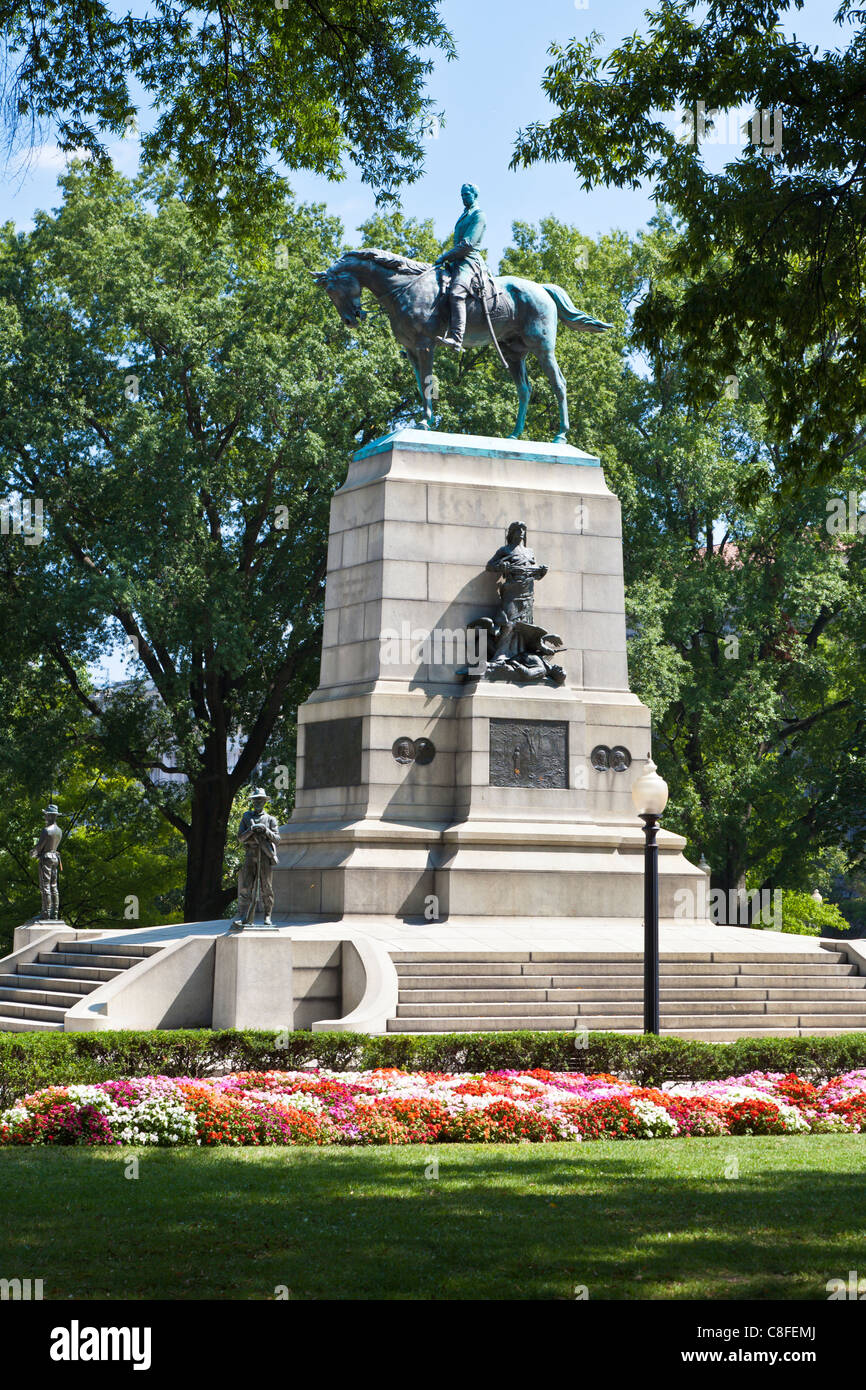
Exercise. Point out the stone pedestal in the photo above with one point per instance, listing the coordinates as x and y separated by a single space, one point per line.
253 980
503 811
41 927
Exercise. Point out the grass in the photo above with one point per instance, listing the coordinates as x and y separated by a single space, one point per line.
628 1220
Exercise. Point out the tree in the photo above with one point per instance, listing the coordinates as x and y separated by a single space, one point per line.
123 865
748 620
771 261
184 411
314 82
600 276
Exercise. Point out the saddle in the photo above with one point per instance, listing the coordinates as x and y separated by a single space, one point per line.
482 284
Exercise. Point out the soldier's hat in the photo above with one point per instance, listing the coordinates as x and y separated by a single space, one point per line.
258 794
51 809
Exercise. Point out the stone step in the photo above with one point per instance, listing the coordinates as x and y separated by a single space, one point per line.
762 1025
89 960
40 991
480 1025
616 967
815 1017
511 994
604 958
854 989
71 972
733 1034
115 948
33 1011
474 1009
28 1025
816 980
468 997
696 1034
692 969
22 980
721 1008
488 957
475 966
55 997
813 953
702 993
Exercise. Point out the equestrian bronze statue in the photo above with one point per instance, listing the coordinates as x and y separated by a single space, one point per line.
457 302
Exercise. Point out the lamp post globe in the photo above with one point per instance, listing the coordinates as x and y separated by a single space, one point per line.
650 792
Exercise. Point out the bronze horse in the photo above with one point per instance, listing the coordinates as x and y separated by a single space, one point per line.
518 315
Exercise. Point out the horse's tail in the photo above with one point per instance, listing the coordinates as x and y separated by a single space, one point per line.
573 316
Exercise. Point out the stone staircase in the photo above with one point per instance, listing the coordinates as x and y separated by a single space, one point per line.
36 996
714 995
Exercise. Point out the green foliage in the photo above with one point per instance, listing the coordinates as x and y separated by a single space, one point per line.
854 911
185 410
803 915
29 1061
771 262
123 864
233 86
747 620
600 277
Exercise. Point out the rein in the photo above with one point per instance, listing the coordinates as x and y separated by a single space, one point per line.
483 297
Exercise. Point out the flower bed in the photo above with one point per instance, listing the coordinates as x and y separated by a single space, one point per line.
396 1107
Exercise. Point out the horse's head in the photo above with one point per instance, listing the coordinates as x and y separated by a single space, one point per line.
344 289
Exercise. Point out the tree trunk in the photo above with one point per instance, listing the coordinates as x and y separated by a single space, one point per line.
205 897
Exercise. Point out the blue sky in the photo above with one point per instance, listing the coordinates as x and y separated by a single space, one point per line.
487 94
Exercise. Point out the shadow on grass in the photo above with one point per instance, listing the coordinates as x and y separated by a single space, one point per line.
714 1218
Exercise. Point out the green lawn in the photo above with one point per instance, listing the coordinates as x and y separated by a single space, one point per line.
630 1220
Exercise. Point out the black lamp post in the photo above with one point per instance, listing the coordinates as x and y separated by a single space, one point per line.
650 796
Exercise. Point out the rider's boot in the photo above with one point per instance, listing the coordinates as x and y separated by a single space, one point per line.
454 336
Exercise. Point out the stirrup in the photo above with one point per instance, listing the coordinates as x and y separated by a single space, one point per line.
448 340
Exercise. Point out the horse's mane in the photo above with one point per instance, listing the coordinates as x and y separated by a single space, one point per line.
389 260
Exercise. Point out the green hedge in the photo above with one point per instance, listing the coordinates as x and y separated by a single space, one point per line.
30 1061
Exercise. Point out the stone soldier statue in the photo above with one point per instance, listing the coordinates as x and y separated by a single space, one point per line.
260 834
465 262
46 851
